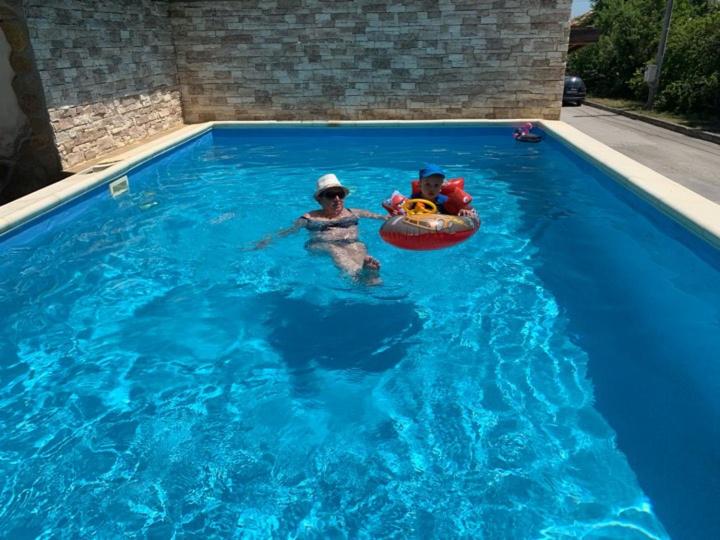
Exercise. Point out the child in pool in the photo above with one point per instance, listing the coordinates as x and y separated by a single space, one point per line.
432 178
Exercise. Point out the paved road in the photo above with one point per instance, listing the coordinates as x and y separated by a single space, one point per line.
691 162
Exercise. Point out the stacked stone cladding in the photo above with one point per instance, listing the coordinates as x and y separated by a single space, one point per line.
114 71
108 71
366 59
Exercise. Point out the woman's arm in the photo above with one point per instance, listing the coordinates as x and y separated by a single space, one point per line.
368 214
298 224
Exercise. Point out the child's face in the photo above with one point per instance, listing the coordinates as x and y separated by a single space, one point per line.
430 186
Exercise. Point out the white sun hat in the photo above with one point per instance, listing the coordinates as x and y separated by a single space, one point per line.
328 181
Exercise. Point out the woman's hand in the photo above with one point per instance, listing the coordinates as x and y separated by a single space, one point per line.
298 224
367 214
262 244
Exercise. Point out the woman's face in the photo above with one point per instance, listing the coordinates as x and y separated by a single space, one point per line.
332 200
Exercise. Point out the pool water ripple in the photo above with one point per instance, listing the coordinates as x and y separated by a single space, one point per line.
161 379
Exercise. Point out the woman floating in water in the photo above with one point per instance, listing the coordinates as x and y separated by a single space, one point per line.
334 230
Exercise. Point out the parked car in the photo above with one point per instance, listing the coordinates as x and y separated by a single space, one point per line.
574 91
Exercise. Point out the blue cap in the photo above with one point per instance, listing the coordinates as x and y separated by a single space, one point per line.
430 169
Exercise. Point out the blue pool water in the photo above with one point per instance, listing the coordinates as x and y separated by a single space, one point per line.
556 376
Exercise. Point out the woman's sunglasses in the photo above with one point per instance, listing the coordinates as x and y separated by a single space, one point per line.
332 193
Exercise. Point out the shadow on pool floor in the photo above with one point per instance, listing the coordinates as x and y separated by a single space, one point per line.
343 335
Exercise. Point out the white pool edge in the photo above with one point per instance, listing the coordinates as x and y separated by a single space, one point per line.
693 211
27 208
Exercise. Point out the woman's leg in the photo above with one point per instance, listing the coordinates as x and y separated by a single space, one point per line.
367 267
354 260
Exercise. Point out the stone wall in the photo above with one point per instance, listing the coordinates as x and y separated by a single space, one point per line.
108 73
28 157
108 70
367 59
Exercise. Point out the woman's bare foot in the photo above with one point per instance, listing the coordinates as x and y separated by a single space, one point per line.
371 263
370 271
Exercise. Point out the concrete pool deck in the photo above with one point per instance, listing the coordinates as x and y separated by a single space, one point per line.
694 211
689 161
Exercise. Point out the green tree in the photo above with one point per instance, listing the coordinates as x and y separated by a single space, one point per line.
630 31
690 81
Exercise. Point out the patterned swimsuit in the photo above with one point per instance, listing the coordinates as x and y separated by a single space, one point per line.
316 226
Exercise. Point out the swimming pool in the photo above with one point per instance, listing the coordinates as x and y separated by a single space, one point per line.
556 376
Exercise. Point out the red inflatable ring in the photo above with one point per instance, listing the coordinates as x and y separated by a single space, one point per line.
425 231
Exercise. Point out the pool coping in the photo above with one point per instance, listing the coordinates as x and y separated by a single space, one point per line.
692 210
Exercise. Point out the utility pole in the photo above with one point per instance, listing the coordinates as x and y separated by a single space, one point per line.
654 79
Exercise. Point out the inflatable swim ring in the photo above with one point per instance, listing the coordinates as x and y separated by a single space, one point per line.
523 134
453 189
421 228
